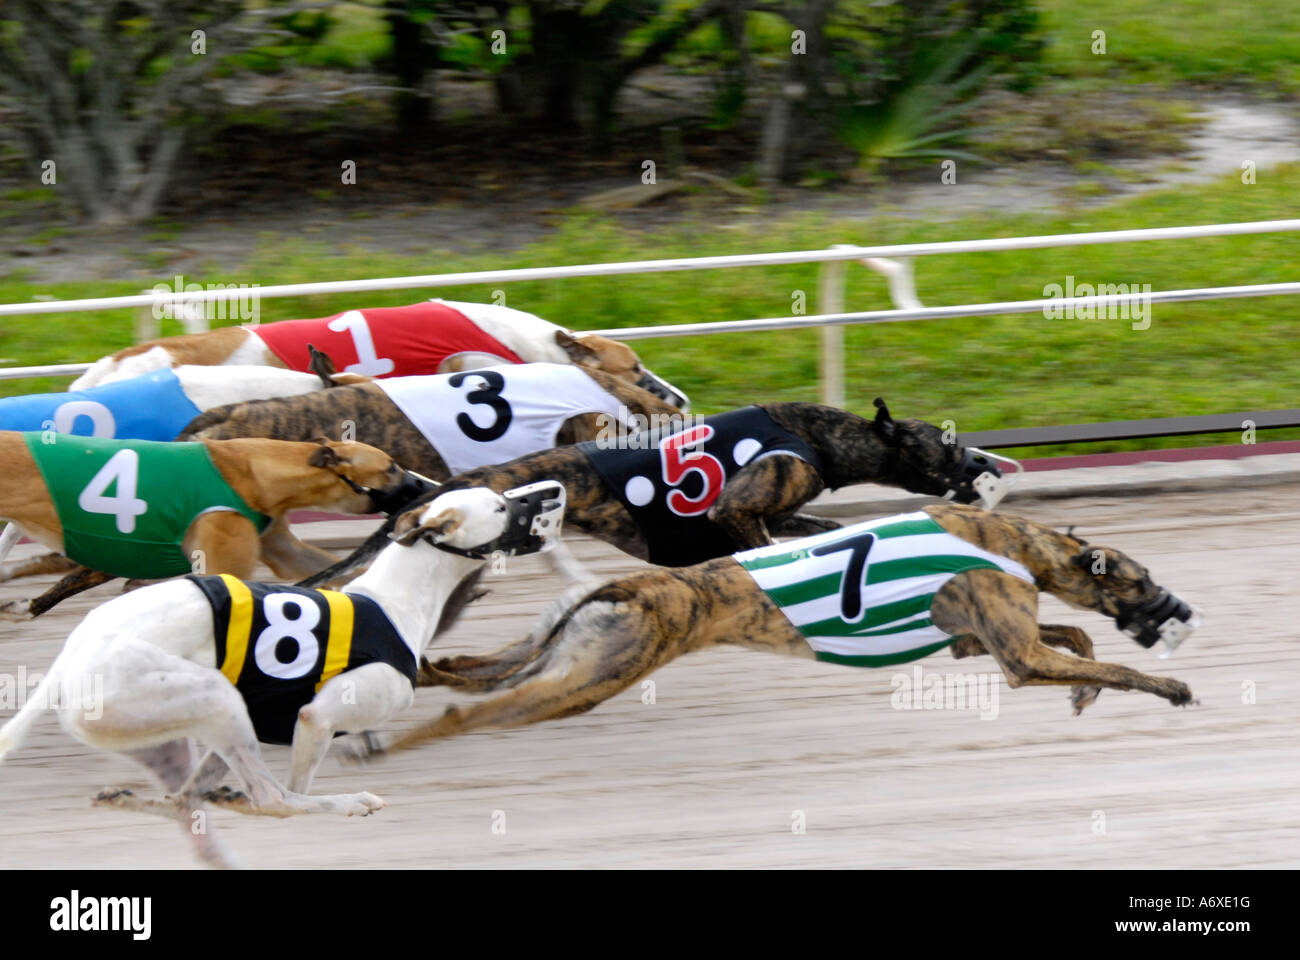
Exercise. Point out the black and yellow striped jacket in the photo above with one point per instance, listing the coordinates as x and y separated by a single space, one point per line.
280 644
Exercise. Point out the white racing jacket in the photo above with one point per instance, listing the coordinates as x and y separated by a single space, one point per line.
494 414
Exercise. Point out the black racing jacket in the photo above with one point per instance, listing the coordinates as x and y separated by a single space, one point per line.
280 644
669 480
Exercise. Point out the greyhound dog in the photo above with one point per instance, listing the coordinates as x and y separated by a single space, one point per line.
221 503
443 425
882 592
436 336
158 405
788 453
152 406
183 661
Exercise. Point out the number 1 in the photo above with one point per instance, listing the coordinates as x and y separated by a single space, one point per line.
368 362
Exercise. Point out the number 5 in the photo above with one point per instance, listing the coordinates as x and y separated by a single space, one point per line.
677 465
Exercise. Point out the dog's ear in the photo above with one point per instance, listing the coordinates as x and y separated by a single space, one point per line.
326 455
577 350
1082 559
408 528
885 426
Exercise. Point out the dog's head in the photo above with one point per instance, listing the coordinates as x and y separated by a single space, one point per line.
1113 583
369 480
924 459
618 360
477 522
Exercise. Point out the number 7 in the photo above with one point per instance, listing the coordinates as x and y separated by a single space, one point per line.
851 587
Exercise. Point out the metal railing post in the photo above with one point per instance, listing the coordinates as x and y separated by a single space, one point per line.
830 299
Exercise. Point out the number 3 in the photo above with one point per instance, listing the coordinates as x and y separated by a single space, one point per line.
124 468
488 395
677 465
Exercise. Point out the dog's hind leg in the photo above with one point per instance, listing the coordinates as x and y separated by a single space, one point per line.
1001 611
771 486
173 764
80 580
478 673
602 650
36 566
151 693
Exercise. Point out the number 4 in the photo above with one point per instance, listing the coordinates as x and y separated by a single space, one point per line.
124 468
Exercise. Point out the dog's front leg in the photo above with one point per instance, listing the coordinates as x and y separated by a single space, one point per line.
1080 644
289 557
1001 611
769 487
351 702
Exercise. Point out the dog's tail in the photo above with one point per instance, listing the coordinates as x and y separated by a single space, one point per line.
13 732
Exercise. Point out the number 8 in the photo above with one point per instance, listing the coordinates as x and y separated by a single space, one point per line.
278 628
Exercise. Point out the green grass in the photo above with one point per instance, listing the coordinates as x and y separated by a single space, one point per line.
1196 41
982 373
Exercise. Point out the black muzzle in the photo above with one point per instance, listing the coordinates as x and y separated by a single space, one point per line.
410 488
1165 618
664 390
535 513
978 477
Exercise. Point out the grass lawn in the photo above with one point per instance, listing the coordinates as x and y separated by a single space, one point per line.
1197 41
982 373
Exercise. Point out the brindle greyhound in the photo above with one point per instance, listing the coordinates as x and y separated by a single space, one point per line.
840 449
618 633
379 422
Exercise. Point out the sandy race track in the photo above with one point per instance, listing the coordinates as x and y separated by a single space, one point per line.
738 749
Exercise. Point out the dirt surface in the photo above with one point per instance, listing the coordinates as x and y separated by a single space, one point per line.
737 746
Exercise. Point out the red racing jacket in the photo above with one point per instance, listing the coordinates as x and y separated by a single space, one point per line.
383 341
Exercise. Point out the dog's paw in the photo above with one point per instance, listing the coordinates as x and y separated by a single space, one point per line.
1081 697
363 805
19 611
112 798
1182 696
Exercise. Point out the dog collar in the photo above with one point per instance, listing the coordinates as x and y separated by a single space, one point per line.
1165 618
535 513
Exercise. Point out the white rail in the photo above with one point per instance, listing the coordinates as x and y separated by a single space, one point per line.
897 266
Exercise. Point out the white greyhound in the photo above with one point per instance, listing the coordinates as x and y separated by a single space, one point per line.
163 669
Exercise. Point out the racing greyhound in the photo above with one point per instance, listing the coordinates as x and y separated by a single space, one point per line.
877 593
436 336
144 509
231 664
716 487
447 424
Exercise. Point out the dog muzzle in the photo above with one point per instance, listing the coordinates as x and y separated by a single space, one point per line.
535 513
411 487
664 390
1165 619
978 477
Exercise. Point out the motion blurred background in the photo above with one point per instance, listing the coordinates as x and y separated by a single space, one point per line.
211 139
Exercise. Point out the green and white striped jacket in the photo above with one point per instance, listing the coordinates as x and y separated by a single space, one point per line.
861 596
